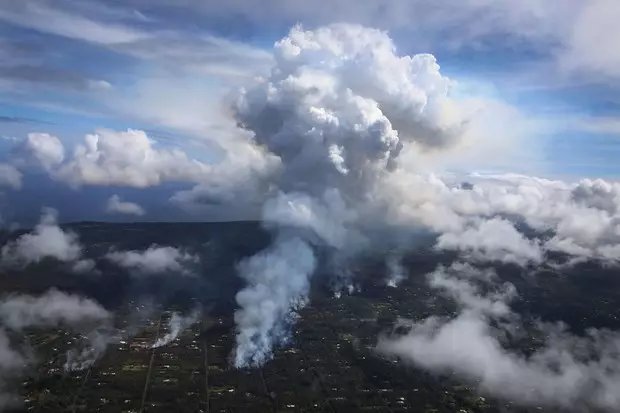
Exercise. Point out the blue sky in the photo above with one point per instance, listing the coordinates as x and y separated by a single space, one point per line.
69 67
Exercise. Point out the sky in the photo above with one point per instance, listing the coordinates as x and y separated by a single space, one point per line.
542 79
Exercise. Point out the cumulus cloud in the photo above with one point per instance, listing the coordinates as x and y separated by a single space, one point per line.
154 260
509 218
47 240
10 176
50 309
126 159
41 149
132 159
567 371
490 240
240 183
116 205
464 24
108 158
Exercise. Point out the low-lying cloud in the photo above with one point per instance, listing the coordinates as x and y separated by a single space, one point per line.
115 205
10 176
49 310
154 260
47 240
567 371
53 308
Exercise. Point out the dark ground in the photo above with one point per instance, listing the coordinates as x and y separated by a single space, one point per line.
328 367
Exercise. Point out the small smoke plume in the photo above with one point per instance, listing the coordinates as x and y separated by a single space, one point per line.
396 271
176 325
567 371
95 343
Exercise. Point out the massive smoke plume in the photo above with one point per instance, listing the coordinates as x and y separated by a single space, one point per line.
336 110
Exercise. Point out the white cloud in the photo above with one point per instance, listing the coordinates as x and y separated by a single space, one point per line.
51 309
492 239
118 158
10 176
116 205
456 282
154 260
488 221
569 372
41 149
47 240
38 15
576 36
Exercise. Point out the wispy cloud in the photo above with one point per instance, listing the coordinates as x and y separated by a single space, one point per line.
38 15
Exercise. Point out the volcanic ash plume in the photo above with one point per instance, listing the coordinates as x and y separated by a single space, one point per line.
176 325
336 111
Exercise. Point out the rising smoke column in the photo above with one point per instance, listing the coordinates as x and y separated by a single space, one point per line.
336 110
176 325
278 284
396 271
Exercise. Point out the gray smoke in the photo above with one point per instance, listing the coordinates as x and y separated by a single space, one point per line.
176 325
96 342
336 110
278 285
